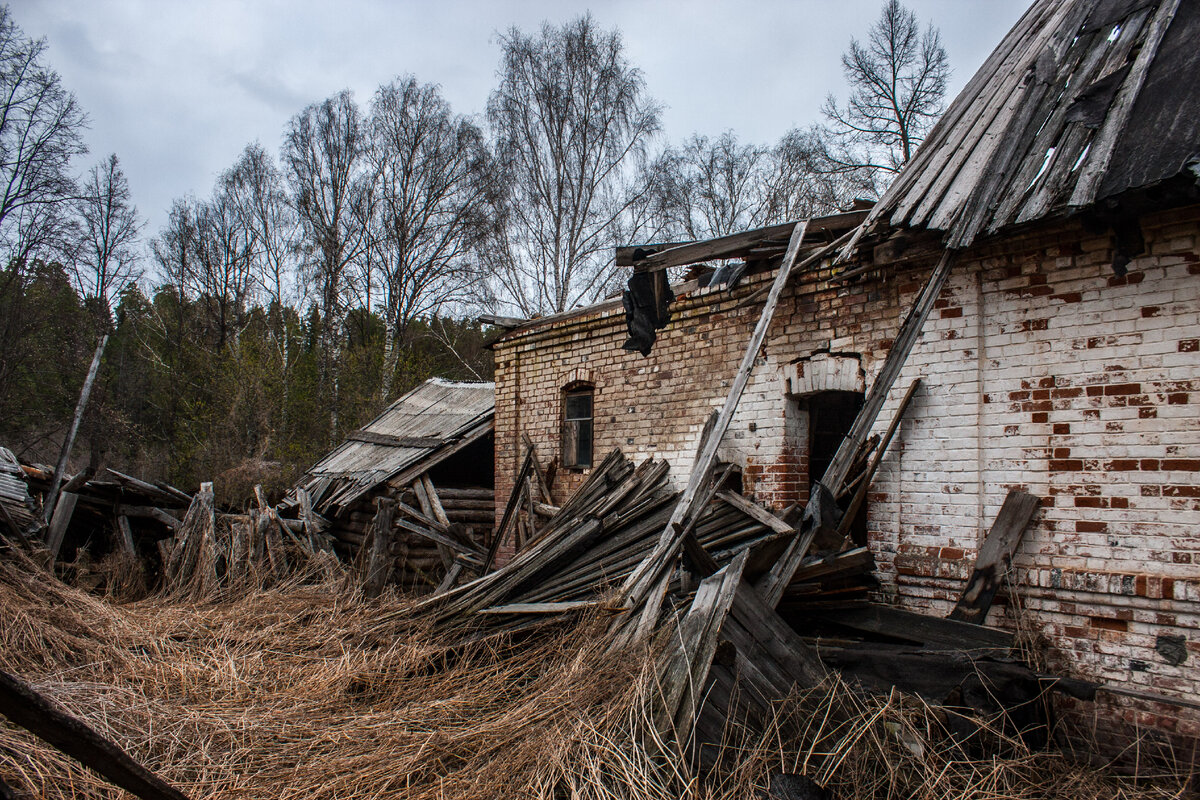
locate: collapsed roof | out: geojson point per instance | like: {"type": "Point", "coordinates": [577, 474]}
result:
{"type": "Point", "coordinates": [1082, 102]}
{"type": "Point", "coordinates": [421, 429]}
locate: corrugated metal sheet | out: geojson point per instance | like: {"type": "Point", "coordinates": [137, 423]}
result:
{"type": "Point", "coordinates": [1056, 108]}
{"type": "Point", "coordinates": [448, 412]}
{"type": "Point", "coordinates": [14, 492]}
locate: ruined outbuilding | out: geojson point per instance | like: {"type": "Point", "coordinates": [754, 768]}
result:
{"type": "Point", "coordinates": [1058, 199]}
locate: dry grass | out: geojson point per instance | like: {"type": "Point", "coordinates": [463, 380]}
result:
{"type": "Point", "coordinates": [308, 691]}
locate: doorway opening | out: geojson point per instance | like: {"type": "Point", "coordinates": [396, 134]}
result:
{"type": "Point", "coordinates": [830, 415]}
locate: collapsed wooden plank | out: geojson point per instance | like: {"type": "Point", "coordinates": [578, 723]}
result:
{"type": "Point", "coordinates": [48, 721]}
{"type": "Point", "coordinates": [921, 629]}
{"type": "Point", "coordinates": [998, 548]}
{"type": "Point", "coordinates": [64, 508]}
{"type": "Point", "coordinates": [860, 494]}
{"type": "Point", "coordinates": [684, 667]}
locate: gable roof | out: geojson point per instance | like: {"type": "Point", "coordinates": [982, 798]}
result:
{"type": "Point", "coordinates": [422, 428]}
{"type": "Point", "coordinates": [1081, 101]}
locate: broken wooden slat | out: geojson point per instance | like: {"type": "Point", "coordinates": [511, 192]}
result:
{"type": "Point", "coordinates": [514, 500]}
{"type": "Point", "coordinates": [69, 443]}
{"type": "Point", "coordinates": [125, 535]}
{"type": "Point", "coordinates": [48, 721]}
{"type": "Point", "coordinates": [1001, 542]}
{"type": "Point", "coordinates": [684, 668]}
{"type": "Point", "coordinates": [861, 493]}
{"type": "Point", "coordinates": [755, 511]}
{"type": "Point", "coordinates": [61, 518]}
{"type": "Point", "coordinates": [540, 608]}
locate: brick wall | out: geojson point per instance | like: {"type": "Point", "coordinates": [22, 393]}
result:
{"type": "Point", "coordinates": [1042, 371]}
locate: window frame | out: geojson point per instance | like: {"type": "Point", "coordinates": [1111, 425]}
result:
{"type": "Point", "coordinates": [578, 429]}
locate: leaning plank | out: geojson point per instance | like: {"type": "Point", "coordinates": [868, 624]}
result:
{"type": "Point", "coordinates": [1001, 542]}
{"type": "Point", "coordinates": [514, 501]}
{"type": "Point", "coordinates": [860, 495]}
{"type": "Point", "coordinates": [646, 583]}
{"type": "Point", "coordinates": [754, 511]}
{"type": "Point", "coordinates": [63, 509]}
{"type": "Point", "coordinates": [684, 668]}
{"type": "Point", "coordinates": [126, 535]}
{"type": "Point", "coordinates": [48, 721]}
{"type": "Point", "coordinates": [771, 587]}
{"type": "Point", "coordinates": [379, 562]}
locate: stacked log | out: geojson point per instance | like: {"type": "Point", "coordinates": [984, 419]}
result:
{"type": "Point", "coordinates": [418, 563]}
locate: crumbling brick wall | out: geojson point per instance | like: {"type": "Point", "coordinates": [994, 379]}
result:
{"type": "Point", "coordinates": [1042, 371]}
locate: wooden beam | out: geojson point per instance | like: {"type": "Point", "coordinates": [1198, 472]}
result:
{"type": "Point", "coordinates": [49, 722]}
{"type": "Point", "coordinates": [755, 511]}
{"type": "Point", "coordinates": [1001, 542]}
{"type": "Point", "coordinates": [662, 256]}
{"type": "Point", "coordinates": [922, 629]}
{"type": "Point", "coordinates": [65, 454]}
{"type": "Point", "coordinates": [497, 321]}
{"type": "Point", "coordinates": [387, 440]}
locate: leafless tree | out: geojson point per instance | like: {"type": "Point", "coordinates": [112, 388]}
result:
{"type": "Point", "coordinates": [40, 133]}
{"type": "Point", "coordinates": [106, 261]}
{"type": "Point", "coordinates": [432, 179]}
{"type": "Point", "coordinates": [717, 187]}
{"type": "Point", "coordinates": [323, 154]}
{"type": "Point", "coordinates": [570, 121]}
{"type": "Point", "coordinates": [256, 190]}
{"type": "Point", "coordinates": [897, 83]}
{"type": "Point", "coordinates": [798, 183]}
{"type": "Point", "coordinates": [713, 187]}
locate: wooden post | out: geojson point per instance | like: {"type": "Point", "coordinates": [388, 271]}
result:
{"type": "Point", "coordinates": [125, 535]}
{"type": "Point", "coordinates": [46, 720]}
{"type": "Point", "coordinates": [51, 501]}
{"type": "Point", "coordinates": [380, 559]}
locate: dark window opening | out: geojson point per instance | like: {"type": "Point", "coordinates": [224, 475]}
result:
{"type": "Point", "coordinates": [577, 427]}
{"type": "Point", "coordinates": [830, 415]}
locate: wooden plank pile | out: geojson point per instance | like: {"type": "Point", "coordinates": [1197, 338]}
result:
{"type": "Point", "coordinates": [592, 543]}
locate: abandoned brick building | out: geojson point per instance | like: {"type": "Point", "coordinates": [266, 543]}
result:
{"type": "Point", "coordinates": [1060, 357]}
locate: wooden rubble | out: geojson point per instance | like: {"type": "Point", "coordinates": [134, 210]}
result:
{"type": "Point", "coordinates": [745, 604]}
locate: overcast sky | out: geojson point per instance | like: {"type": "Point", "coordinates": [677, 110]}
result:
{"type": "Point", "coordinates": [177, 88]}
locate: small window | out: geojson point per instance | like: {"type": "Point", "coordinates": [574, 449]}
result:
{"type": "Point", "coordinates": [577, 427]}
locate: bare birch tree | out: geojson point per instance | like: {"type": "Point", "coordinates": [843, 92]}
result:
{"type": "Point", "coordinates": [715, 187]}
{"type": "Point", "coordinates": [897, 83]}
{"type": "Point", "coordinates": [41, 129]}
{"type": "Point", "coordinates": [432, 183]}
{"type": "Point", "coordinates": [324, 161]}
{"type": "Point", "coordinates": [571, 122]}
{"type": "Point", "coordinates": [106, 261]}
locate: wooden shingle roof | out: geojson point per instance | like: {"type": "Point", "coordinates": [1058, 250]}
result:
{"type": "Point", "coordinates": [1081, 101]}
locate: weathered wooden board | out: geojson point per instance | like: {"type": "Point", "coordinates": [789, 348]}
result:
{"type": "Point", "coordinates": [1001, 542]}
